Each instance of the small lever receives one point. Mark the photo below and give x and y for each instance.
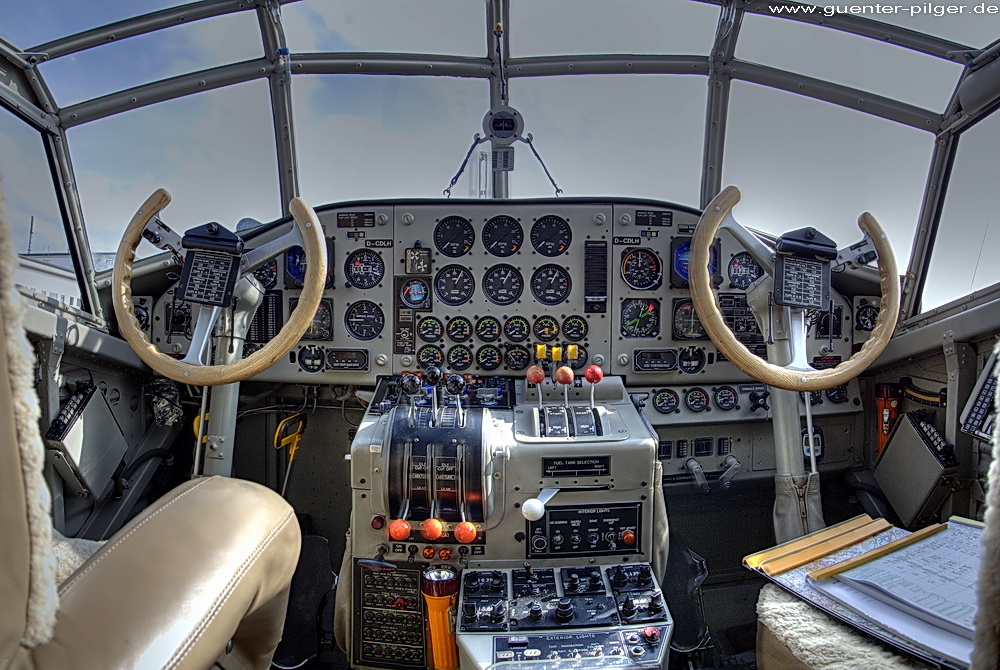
(454, 385)
(536, 375)
(733, 466)
(594, 375)
(432, 375)
(410, 384)
(694, 467)
(533, 509)
(564, 375)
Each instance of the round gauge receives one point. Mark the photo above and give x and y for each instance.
(640, 318)
(415, 293)
(364, 268)
(696, 400)
(815, 398)
(837, 394)
(682, 255)
(429, 355)
(726, 398)
(687, 325)
(503, 284)
(250, 348)
(321, 326)
(142, 316)
(295, 264)
(551, 236)
(743, 271)
(312, 358)
(575, 328)
(364, 320)
(429, 329)
(581, 358)
(488, 357)
(550, 284)
(488, 329)
(865, 318)
(666, 401)
(546, 328)
(691, 360)
(517, 358)
(642, 269)
(454, 284)
(503, 236)
(517, 329)
(459, 357)
(267, 274)
(454, 236)
(459, 329)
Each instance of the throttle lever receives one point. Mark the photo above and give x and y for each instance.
(698, 472)
(733, 466)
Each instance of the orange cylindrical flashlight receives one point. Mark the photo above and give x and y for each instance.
(887, 398)
(440, 588)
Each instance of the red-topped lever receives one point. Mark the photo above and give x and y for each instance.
(536, 375)
(594, 375)
(564, 376)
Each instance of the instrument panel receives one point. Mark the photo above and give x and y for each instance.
(492, 287)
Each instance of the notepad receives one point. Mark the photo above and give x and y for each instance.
(915, 591)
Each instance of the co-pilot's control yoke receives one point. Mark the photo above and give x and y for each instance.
(535, 495)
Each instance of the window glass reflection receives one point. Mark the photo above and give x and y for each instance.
(214, 152)
(964, 257)
(801, 162)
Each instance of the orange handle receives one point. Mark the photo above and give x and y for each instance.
(444, 651)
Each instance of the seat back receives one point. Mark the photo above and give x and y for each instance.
(27, 573)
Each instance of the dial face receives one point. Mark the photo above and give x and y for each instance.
(665, 401)
(546, 328)
(726, 398)
(454, 236)
(312, 358)
(489, 357)
(517, 358)
(364, 320)
(640, 318)
(415, 293)
(142, 316)
(459, 357)
(551, 236)
(503, 236)
(429, 329)
(320, 328)
(517, 329)
(459, 329)
(865, 318)
(686, 324)
(575, 328)
(696, 400)
(295, 264)
(429, 355)
(642, 269)
(550, 284)
(837, 394)
(682, 256)
(503, 284)
(488, 329)
(743, 271)
(691, 360)
(581, 358)
(364, 268)
(454, 284)
(267, 274)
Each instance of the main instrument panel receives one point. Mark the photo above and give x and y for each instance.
(492, 287)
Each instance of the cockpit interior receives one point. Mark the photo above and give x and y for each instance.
(305, 370)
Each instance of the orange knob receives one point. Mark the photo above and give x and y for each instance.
(432, 529)
(465, 532)
(429, 552)
(535, 374)
(564, 375)
(399, 530)
(628, 537)
(444, 553)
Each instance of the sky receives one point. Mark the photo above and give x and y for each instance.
(798, 161)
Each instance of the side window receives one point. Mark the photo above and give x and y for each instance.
(39, 237)
(964, 256)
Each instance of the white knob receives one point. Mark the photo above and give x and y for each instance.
(533, 509)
